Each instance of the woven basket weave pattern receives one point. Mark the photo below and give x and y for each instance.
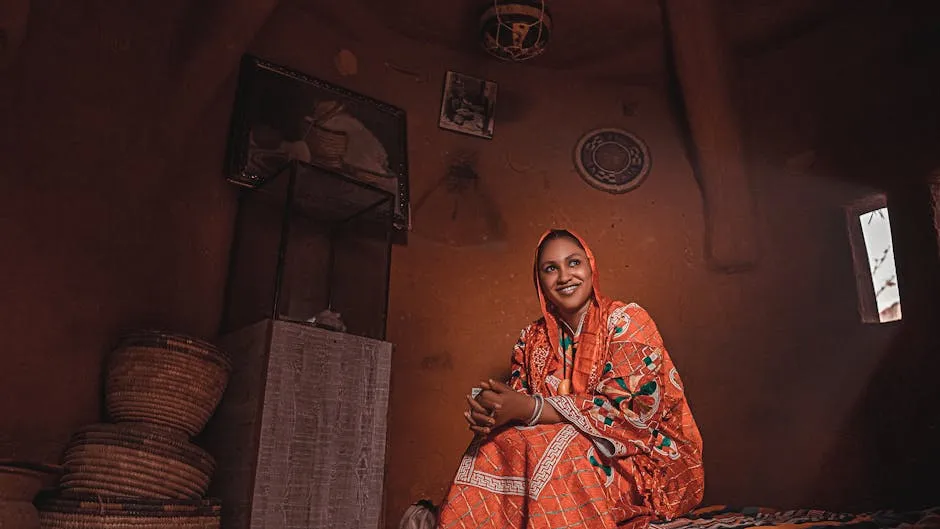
(143, 471)
(166, 379)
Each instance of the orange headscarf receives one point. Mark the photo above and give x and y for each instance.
(591, 344)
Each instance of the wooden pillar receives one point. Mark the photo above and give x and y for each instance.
(702, 67)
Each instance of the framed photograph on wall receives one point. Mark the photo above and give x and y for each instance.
(468, 105)
(281, 115)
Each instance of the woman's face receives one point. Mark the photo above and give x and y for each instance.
(565, 275)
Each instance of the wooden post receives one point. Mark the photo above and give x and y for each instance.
(702, 66)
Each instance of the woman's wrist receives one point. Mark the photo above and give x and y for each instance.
(524, 411)
(535, 412)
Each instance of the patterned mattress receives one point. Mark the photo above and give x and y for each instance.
(723, 517)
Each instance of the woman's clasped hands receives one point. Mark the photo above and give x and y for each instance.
(495, 406)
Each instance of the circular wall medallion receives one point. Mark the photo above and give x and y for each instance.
(612, 160)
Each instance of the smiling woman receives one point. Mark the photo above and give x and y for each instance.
(592, 429)
(565, 282)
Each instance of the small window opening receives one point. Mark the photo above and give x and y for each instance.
(876, 228)
(875, 270)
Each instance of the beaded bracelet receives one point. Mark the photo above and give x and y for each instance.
(537, 412)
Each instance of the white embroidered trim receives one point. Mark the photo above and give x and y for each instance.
(510, 486)
(565, 406)
(552, 382)
(466, 463)
(539, 360)
(513, 485)
(546, 465)
(615, 316)
(674, 378)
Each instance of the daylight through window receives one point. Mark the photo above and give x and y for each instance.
(876, 231)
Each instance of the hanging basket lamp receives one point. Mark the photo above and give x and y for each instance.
(516, 30)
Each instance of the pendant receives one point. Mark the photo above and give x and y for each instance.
(565, 387)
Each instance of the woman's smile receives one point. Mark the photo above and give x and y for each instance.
(565, 277)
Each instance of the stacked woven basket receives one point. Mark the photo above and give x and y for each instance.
(143, 470)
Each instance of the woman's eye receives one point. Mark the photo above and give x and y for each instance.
(574, 262)
(549, 268)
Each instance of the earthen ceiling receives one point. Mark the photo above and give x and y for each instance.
(616, 39)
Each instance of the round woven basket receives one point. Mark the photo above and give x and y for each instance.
(127, 460)
(101, 512)
(166, 379)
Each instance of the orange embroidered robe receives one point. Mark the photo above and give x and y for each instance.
(629, 451)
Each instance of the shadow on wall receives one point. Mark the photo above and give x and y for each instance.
(894, 426)
(890, 432)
